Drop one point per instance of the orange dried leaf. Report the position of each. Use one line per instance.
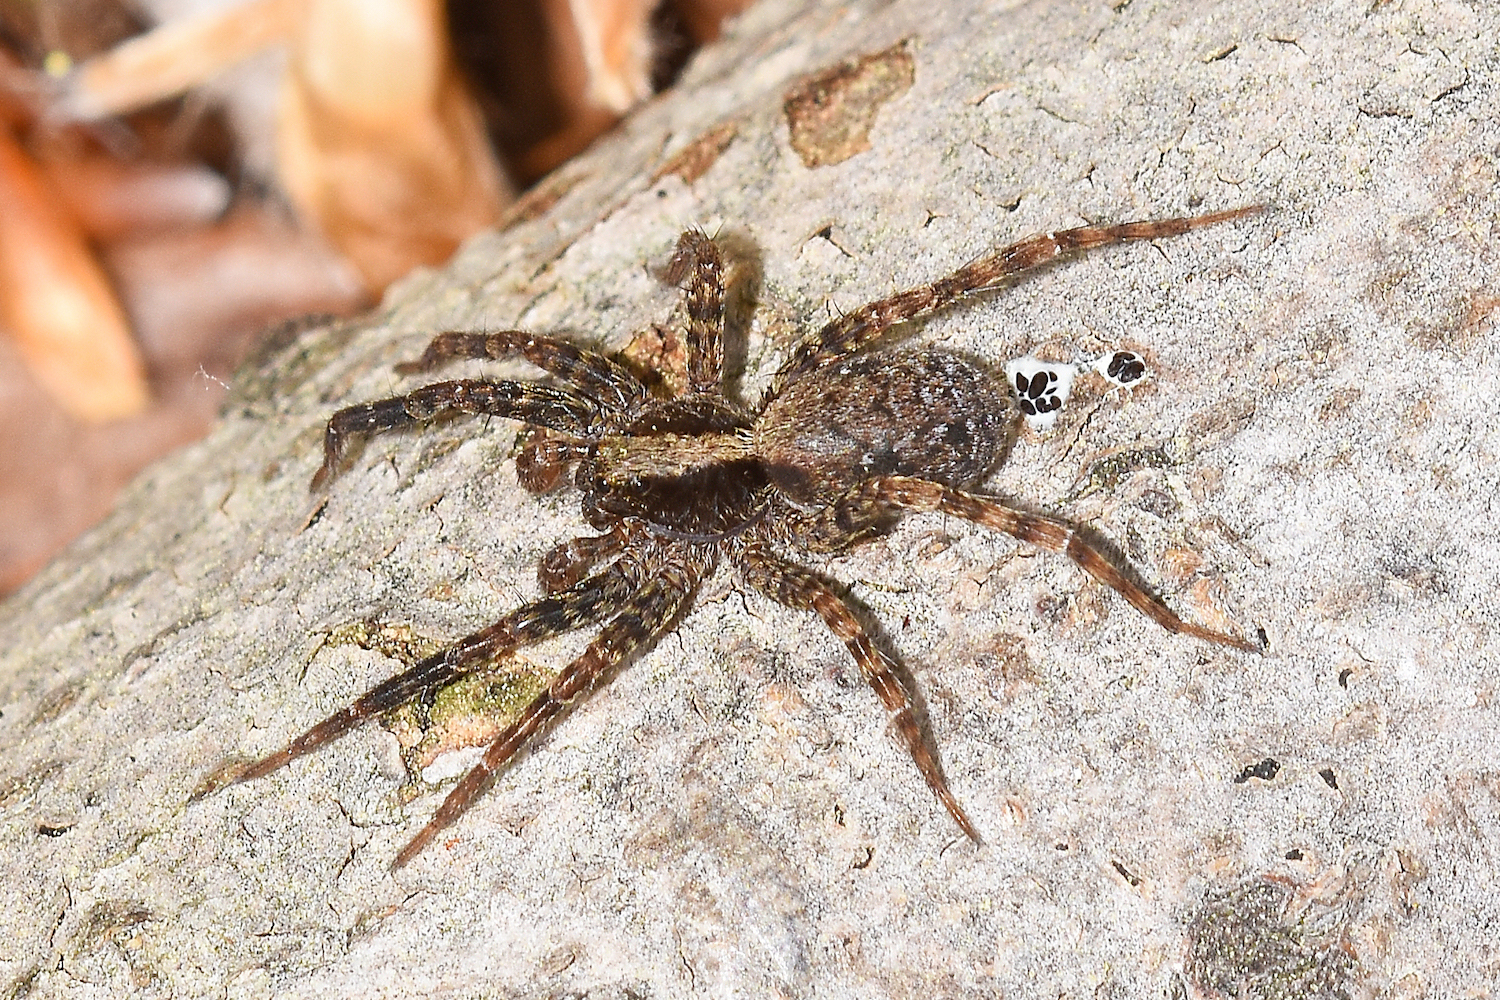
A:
(110, 199)
(56, 302)
(614, 42)
(379, 140)
(176, 56)
(380, 145)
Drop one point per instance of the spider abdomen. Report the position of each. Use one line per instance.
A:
(924, 413)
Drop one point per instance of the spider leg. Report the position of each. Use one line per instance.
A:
(835, 528)
(699, 260)
(584, 603)
(854, 330)
(555, 407)
(567, 562)
(650, 613)
(544, 460)
(598, 376)
(796, 587)
(1051, 534)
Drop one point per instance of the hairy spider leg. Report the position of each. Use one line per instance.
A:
(1051, 534)
(832, 528)
(797, 587)
(600, 377)
(567, 562)
(556, 407)
(854, 330)
(545, 458)
(699, 260)
(586, 602)
(665, 593)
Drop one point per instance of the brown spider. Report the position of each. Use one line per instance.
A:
(846, 440)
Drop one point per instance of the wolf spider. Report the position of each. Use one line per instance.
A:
(847, 439)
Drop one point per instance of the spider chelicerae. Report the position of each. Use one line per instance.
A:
(851, 434)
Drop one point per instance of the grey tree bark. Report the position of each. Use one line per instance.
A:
(1313, 455)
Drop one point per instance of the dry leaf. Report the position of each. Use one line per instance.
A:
(56, 302)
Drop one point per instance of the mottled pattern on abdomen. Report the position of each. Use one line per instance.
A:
(912, 413)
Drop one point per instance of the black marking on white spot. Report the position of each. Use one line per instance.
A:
(1122, 367)
(1041, 389)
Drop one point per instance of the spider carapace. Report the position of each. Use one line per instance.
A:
(850, 435)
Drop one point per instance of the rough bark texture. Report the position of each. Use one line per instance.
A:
(1315, 455)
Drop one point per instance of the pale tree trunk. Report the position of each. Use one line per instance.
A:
(1313, 455)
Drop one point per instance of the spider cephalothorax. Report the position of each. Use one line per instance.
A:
(846, 439)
